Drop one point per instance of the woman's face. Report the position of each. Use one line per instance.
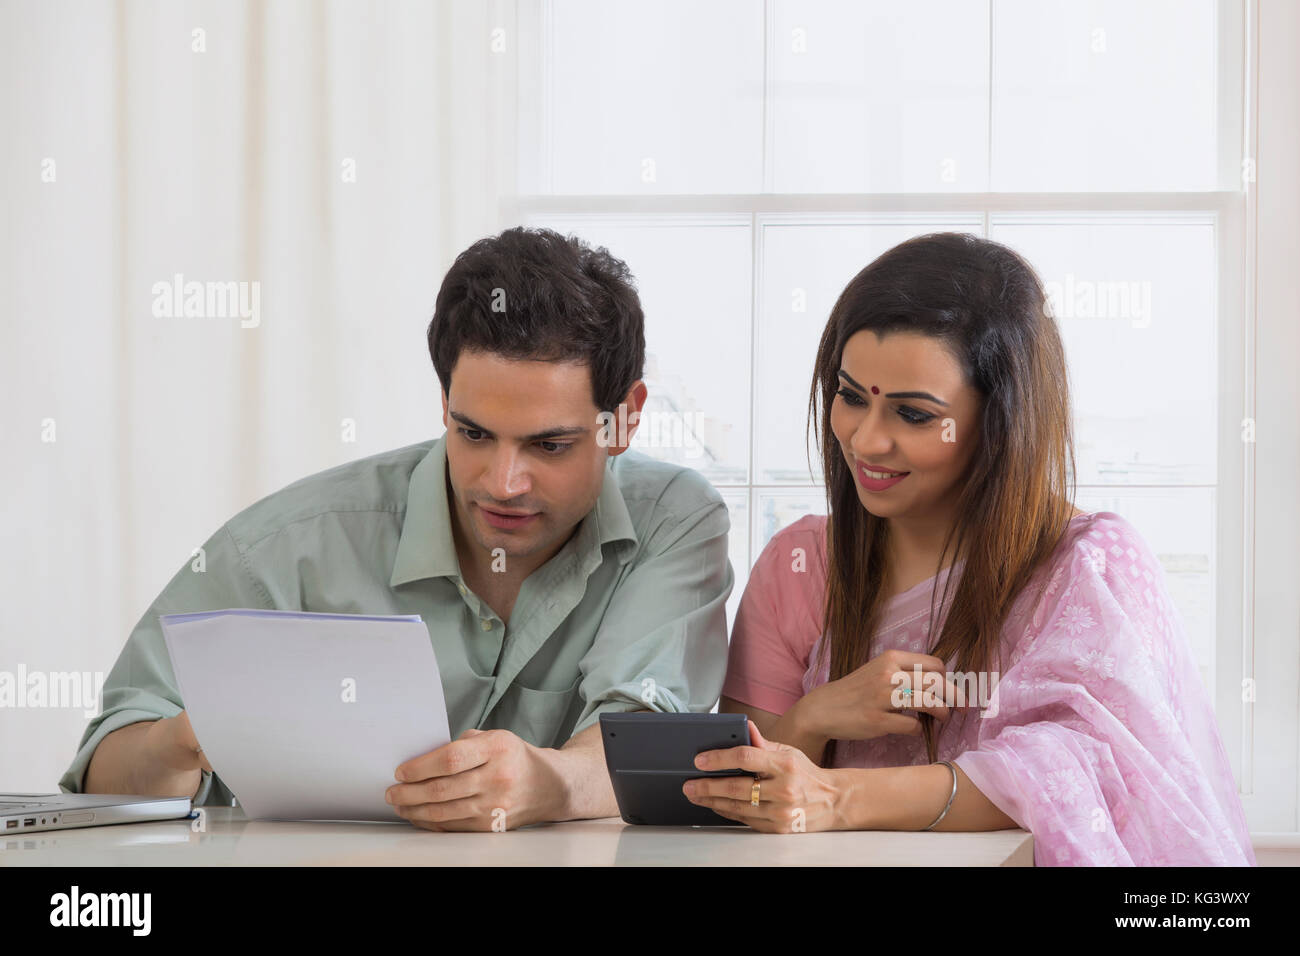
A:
(904, 407)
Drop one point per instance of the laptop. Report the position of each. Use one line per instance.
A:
(29, 812)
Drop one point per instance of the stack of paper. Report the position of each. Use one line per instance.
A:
(306, 716)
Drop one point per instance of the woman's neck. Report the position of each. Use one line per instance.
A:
(914, 546)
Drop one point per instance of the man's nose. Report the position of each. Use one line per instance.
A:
(507, 475)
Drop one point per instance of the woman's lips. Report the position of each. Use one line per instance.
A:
(877, 484)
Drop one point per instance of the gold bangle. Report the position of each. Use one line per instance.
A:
(950, 796)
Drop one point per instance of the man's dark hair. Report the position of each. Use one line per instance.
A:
(535, 294)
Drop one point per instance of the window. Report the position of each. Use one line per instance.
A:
(747, 160)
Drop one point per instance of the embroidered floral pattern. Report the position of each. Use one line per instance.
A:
(1104, 742)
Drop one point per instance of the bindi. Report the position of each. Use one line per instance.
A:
(875, 390)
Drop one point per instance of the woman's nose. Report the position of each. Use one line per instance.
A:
(870, 440)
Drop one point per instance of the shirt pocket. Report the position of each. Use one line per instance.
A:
(544, 718)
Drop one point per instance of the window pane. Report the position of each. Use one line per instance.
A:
(780, 508)
(880, 96)
(806, 263)
(694, 280)
(1135, 297)
(654, 98)
(1104, 96)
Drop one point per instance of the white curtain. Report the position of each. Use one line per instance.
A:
(331, 158)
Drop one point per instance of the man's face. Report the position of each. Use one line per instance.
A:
(522, 452)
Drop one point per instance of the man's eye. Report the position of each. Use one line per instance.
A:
(850, 397)
(473, 434)
(554, 447)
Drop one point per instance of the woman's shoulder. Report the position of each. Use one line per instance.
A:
(809, 528)
(794, 558)
(1106, 547)
(1111, 533)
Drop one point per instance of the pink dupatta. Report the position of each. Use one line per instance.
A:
(1099, 737)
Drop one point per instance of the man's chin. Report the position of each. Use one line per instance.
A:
(515, 543)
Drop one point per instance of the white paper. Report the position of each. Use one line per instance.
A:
(306, 716)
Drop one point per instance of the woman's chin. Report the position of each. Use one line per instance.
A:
(873, 504)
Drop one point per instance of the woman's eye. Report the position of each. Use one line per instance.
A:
(911, 415)
(850, 397)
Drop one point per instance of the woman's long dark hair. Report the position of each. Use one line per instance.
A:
(987, 306)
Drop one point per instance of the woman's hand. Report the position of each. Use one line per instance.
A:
(795, 795)
(872, 701)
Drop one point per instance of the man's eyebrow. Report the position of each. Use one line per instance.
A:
(563, 431)
(926, 395)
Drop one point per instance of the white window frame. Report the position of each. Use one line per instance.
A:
(1257, 600)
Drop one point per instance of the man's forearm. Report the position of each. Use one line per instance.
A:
(580, 765)
(124, 763)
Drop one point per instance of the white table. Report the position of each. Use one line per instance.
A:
(228, 838)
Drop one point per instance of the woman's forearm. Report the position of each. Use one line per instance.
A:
(910, 798)
(796, 729)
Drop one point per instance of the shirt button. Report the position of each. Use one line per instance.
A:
(487, 625)
(460, 588)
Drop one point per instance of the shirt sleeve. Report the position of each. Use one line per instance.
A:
(1100, 738)
(141, 686)
(662, 644)
(778, 621)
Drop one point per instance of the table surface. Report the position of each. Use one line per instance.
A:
(228, 838)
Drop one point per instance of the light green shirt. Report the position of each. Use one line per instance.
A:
(628, 615)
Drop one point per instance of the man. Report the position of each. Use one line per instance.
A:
(560, 575)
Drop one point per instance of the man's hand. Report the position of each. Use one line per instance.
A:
(482, 780)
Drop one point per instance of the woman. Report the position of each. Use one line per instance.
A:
(956, 647)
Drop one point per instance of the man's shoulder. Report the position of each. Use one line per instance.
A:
(650, 484)
(376, 483)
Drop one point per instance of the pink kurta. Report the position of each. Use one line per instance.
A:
(1104, 744)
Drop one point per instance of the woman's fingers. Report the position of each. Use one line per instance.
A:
(934, 693)
(900, 724)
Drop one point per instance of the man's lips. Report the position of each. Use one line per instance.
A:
(506, 520)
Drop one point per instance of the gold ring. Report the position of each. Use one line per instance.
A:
(753, 794)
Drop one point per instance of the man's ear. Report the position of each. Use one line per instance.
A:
(628, 415)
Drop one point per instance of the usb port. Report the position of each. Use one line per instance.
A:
(11, 824)
(29, 822)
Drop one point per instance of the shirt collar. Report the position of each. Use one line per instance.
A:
(426, 548)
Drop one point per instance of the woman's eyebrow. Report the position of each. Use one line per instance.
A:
(848, 378)
(927, 395)
(938, 401)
